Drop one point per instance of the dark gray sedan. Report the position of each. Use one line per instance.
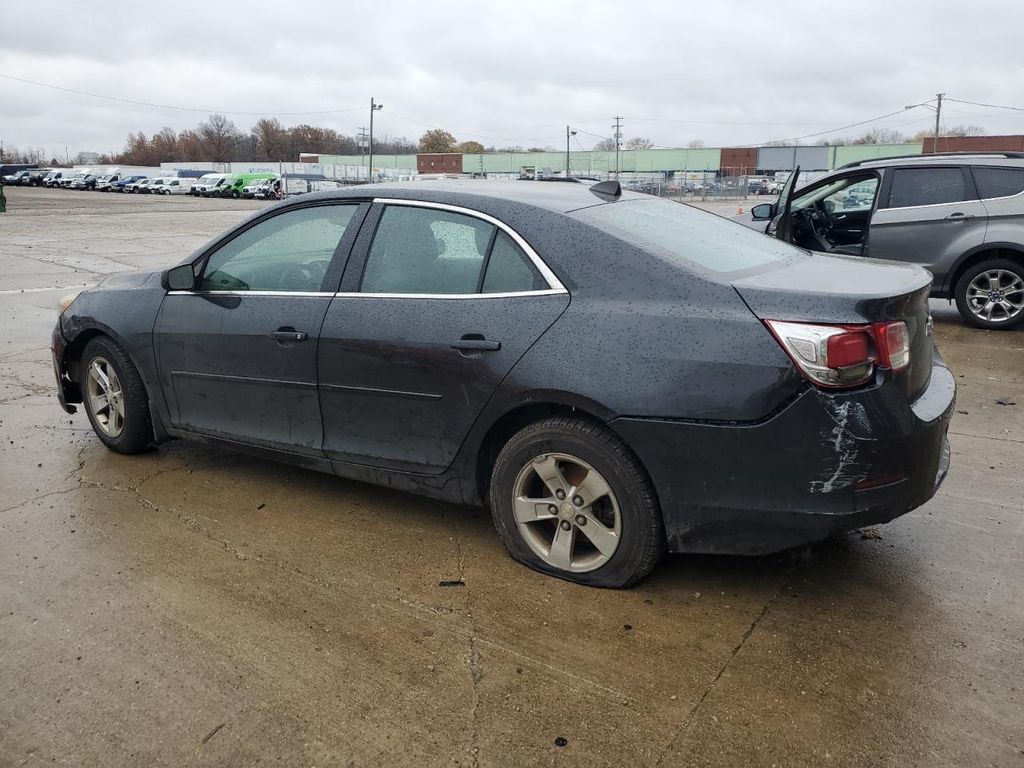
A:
(616, 375)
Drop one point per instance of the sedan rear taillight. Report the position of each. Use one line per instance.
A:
(840, 356)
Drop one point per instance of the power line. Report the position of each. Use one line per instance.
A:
(719, 122)
(990, 106)
(173, 106)
(835, 130)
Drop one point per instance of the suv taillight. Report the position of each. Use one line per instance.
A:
(840, 356)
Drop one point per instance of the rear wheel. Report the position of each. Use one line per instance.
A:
(991, 294)
(569, 499)
(115, 397)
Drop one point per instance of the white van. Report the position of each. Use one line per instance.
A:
(206, 183)
(174, 185)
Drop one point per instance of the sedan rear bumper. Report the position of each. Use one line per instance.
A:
(825, 463)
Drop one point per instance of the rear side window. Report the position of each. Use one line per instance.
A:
(998, 182)
(687, 236)
(926, 186)
(424, 250)
(509, 270)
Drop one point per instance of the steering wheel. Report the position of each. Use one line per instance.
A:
(819, 222)
(304, 277)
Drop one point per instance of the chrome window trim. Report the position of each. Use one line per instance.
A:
(296, 294)
(929, 205)
(506, 295)
(549, 277)
(357, 295)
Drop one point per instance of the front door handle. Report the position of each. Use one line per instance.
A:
(288, 335)
(959, 216)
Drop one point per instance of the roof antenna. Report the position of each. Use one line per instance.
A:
(607, 190)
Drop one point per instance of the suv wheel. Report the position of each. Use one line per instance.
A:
(570, 499)
(991, 294)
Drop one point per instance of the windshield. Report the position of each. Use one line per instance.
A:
(686, 236)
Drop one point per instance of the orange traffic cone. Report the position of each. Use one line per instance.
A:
(739, 210)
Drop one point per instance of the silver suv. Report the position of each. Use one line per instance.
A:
(959, 215)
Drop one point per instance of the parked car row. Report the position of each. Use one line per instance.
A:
(259, 186)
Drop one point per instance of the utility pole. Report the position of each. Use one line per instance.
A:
(618, 143)
(938, 115)
(373, 108)
(361, 138)
(568, 133)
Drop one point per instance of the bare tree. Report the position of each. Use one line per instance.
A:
(638, 142)
(696, 144)
(605, 145)
(881, 136)
(219, 138)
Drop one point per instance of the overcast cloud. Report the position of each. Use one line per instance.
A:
(507, 72)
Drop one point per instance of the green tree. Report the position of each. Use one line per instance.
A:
(437, 140)
(470, 148)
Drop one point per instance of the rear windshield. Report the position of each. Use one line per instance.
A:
(687, 236)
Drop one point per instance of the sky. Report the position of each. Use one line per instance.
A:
(727, 72)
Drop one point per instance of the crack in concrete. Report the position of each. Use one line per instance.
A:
(474, 660)
(692, 715)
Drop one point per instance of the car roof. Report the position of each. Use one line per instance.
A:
(942, 158)
(560, 198)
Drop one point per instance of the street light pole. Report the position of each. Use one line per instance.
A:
(373, 108)
(568, 133)
(618, 141)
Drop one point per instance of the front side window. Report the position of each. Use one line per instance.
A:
(926, 186)
(288, 252)
(998, 182)
(424, 250)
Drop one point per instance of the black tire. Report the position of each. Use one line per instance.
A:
(136, 434)
(964, 282)
(642, 542)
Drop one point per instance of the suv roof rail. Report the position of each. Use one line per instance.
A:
(925, 155)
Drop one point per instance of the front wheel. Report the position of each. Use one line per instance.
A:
(991, 294)
(115, 397)
(569, 499)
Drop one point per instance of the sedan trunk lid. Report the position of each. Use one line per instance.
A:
(848, 290)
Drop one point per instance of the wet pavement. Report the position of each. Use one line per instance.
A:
(194, 606)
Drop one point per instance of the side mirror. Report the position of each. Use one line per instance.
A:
(830, 206)
(181, 278)
(762, 212)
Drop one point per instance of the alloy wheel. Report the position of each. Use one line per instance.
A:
(996, 295)
(566, 512)
(106, 398)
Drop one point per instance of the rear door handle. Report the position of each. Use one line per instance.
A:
(958, 216)
(474, 343)
(288, 335)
